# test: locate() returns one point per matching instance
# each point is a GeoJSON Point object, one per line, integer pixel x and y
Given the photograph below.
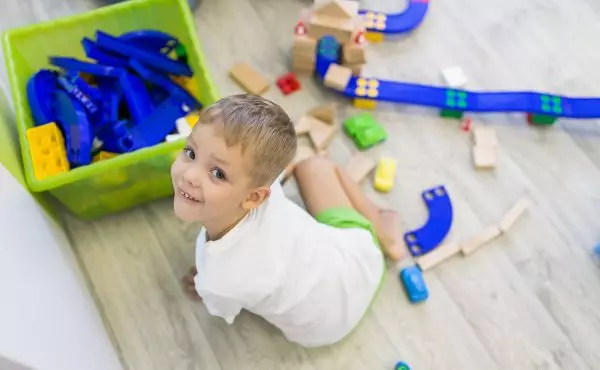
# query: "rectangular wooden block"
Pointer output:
{"type": "Point", "coordinates": [355, 68]}
{"type": "Point", "coordinates": [438, 255]}
{"type": "Point", "coordinates": [337, 77]}
{"type": "Point", "coordinates": [321, 133]}
{"type": "Point", "coordinates": [249, 79]}
{"type": "Point", "coordinates": [353, 54]}
{"type": "Point", "coordinates": [485, 136]}
{"type": "Point", "coordinates": [304, 47]}
{"type": "Point", "coordinates": [360, 166]}
{"type": "Point", "coordinates": [484, 157]}
{"type": "Point", "coordinates": [479, 240]}
{"type": "Point", "coordinates": [513, 214]}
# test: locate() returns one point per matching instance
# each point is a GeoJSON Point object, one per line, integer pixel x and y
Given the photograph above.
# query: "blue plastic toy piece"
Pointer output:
{"type": "Point", "coordinates": [151, 39]}
{"type": "Point", "coordinates": [39, 95]}
{"type": "Point", "coordinates": [155, 60]}
{"type": "Point", "coordinates": [397, 23]}
{"type": "Point", "coordinates": [93, 51]}
{"type": "Point", "coordinates": [328, 52]}
{"type": "Point", "coordinates": [166, 83]}
{"type": "Point", "coordinates": [77, 94]}
{"type": "Point", "coordinates": [124, 137]}
{"type": "Point", "coordinates": [75, 65]}
{"type": "Point", "coordinates": [137, 97]}
{"type": "Point", "coordinates": [433, 232]}
{"type": "Point", "coordinates": [412, 279]}
{"type": "Point", "coordinates": [402, 366]}
{"type": "Point", "coordinates": [75, 126]}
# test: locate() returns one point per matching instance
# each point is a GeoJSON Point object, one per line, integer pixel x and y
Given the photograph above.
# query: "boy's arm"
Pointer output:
{"type": "Point", "coordinates": [218, 305]}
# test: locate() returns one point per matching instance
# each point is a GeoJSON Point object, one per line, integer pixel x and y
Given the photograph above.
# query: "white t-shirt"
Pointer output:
{"type": "Point", "coordinates": [312, 281]}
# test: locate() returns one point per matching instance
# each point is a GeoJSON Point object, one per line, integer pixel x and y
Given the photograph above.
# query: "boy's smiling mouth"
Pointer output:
{"type": "Point", "coordinates": [185, 195]}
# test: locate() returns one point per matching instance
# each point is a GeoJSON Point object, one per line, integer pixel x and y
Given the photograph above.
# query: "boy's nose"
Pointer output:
{"type": "Point", "coordinates": [191, 177]}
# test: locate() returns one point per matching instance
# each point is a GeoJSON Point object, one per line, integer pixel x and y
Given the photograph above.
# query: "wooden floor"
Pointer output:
{"type": "Point", "coordinates": [529, 300]}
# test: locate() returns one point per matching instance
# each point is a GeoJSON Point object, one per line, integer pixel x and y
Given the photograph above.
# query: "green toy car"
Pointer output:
{"type": "Point", "coordinates": [364, 130]}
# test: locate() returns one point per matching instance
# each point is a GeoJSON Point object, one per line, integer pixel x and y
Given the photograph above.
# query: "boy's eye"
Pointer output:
{"type": "Point", "coordinates": [188, 152]}
{"type": "Point", "coordinates": [218, 174]}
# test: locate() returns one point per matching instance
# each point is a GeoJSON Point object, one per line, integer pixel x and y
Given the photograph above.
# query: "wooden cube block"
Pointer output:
{"type": "Point", "coordinates": [325, 113]}
{"type": "Point", "coordinates": [353, 54]}
{"type": "Point", "coordinates": [485, 136]}
{"type": "Point", "coordinates": [337, 77]}
{"type": "Point", "coordinates": [249, 79]}
{"type": "Point", "coordinates": [321, 133]}
{"type": "Point", "coordinates": [360, 166]}
{"type": "Point", "coordinates": [355, 68]}
{"type": "Point", "coordinates": [479, 240]}
{"type": "Point", "coordinates": [304, 46]}
{"type": "Point", "coordinates": [484, 157]}
{"type": "Point", "coordinates": [322, 25]}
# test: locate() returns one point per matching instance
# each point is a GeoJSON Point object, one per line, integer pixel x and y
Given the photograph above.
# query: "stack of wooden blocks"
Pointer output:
{"type": "Point", "coordinates": [338, 18]}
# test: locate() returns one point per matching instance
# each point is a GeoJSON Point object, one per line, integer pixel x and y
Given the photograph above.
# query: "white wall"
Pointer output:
{"type": "Point", "coordinates": [47, 317]}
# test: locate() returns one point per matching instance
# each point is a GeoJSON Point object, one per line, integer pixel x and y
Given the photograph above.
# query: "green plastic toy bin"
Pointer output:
{"type": "Point", "coordinates": [112, 185]}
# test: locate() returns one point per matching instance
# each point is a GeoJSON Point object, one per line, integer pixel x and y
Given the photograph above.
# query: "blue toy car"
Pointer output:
{"type": "Point", "coordinates": [401, 366]}
{"type": "Point", "coordinates": [415, 286]}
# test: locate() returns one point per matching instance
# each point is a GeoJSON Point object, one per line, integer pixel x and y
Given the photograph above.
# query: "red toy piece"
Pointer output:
{"type": "Point", "coordinates": [360, 38]}
{"type": "Point", "coordinates": [288, 83]}
{"type": "Point", "coordinates": [300, 28]}
{"type": "Point", "coordinates": [466, 125]}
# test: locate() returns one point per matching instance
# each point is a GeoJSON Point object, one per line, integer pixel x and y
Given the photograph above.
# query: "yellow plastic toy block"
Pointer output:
{"type": "Point", "coordinates": [188, 83]}
{"type": "Point", "coordinates": [47, 150]}
{"type": "Point", "coordinates": [192, 118]}
{"type": "Point", "coordinates": [374, 37]}
{"type": "Point", "coordinates": [364, 104]}
{"type": "Point", "coordinates": [385, 174]}
{"type": "Point", "coordinates": [102, 156]}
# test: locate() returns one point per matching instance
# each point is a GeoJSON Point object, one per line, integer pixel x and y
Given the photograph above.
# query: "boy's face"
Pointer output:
{"type": "Point", "coordinates": [211, 180]}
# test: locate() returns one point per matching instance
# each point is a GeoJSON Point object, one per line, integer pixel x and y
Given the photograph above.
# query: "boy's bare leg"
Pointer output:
{"type": "Point", "coordinates": [325, 185]}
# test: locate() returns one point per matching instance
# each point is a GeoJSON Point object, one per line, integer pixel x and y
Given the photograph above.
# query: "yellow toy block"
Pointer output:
{"type": "Point", "coordinates": [192, 118]}
{"type": "Point", "coordinates": [102, 156]}
{"type": "Point", "coordinates": [47, 150]}
{"type": "Point", "coordinates": [374, 37]}
{"type": "Point", "coordinates": [385, 174]}
{"type": "Point", "coordinates": [188, 83]}
{"type": "Point", "coordinates": [364, 103]}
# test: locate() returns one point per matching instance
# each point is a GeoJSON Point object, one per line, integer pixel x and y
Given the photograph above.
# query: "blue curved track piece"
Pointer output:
{"type": "Point", "coordinates": [397, 23]}
{"type": "Point", "coordinates": [424, 239]}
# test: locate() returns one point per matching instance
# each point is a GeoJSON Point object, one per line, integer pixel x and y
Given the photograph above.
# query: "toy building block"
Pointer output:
{"type": "Point", "coordinates": [192, 118]}
{"type": "Point", "coordinates": [355, 68]}
{"type": "Point", "coordinates": [487, 235]}
{"type": "Point", "coordinates": [47, 150]}
{"type": "Point", "coordinates": [414, 284]}
{"type": "Point", "coordinates": [335, 18]}
{"type": "Point", "coordinates": [325, 113]}
{"type": "Point", "coordinates": [183, 127]}
{"type": "Point", "coordinates": [353, 54]}
{"type": "Point", "coordinates": [174, 137]}
{"type": "Point", "coordinates": [360, 166]}
{"type": "Point", "coordinates": [513, 214]}
{"type": "Point", "coordinates": [369, 104]}
{"type": "Point", "coordinates": [385, 174]}
{"type": "Point", "coordinates": [337, 77]}
{"type": "Point", "coordinates": [484, 157]}
{"type": "Point", "coordinates": [485, 136]}
{"type": "Point", "coordinates": [249, 79]}
{"type": "Point", "coordinates": [438, 255]}
{"type": "Point", "coordinates": [101, 156]}
{"type": "Point", "coordinates": [304, 54]}
{"type": "Point", "coordinates": [344, 9]}
{"type": "Point", "coordinates": [303, 125]}
{"type": "Point", "coordinates": [288, 84]}
{"type": "Point", "coordinates": [454, 77]}
{"type": "Point", "coordinates": [321, 133]}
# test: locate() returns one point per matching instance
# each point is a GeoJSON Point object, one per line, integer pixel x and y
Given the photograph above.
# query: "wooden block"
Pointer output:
{"type": "Point", "coordinates": [321, 133]}
{"type": "Point", "coordinates": [325, 113]}
{"type": "Point", "coordinates": [322, 25]}
{"type": "Point", "coordinates": [302, 71]}
{"type": "Point", "coordinates": [360, 166]}
{"type": "Point", "coordinates": [479, 240]}
{"type": "Point", "coordinates": [513, 214]}
{"type": "Point", "coordinates": [353, 54]}
{"type": "Point", "coordinates": [485, 136]}
{"type": "Point", "coordinates": [336, 8]}
{"type": "Point", "coordinates": [305, 46]}
{"type": "Point", "coordinates": [337, 77]}
{"type": "Point", "coordinates": [438, 255]}
{"type": "Point", "coordinates": [355, 68]}
{"type": "Point", "coordinates": [249, 79]}
{"type": "Point", "coordinates": [303, 125]}
{"type": "Point", "coordinates": [485, 158]}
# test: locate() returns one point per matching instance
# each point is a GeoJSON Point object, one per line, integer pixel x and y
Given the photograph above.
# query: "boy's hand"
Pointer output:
{"type": "Point", "coordinates": [188, 284]}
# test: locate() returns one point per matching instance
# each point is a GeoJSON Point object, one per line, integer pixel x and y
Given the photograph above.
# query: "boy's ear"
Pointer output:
{"type": "Point", "coordinates": [256, 197]}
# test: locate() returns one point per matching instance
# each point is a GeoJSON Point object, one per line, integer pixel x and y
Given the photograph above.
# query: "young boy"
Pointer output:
{"type": "Point", "coordinates": [313, 277]}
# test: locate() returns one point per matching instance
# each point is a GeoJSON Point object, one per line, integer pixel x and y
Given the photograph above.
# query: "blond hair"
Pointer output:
{"type": "Point", "coordinates": [260, 127]}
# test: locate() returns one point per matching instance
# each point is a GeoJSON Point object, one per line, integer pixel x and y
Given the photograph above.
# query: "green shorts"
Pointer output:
{"type": "Point", "coordinates": [346, 218]}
